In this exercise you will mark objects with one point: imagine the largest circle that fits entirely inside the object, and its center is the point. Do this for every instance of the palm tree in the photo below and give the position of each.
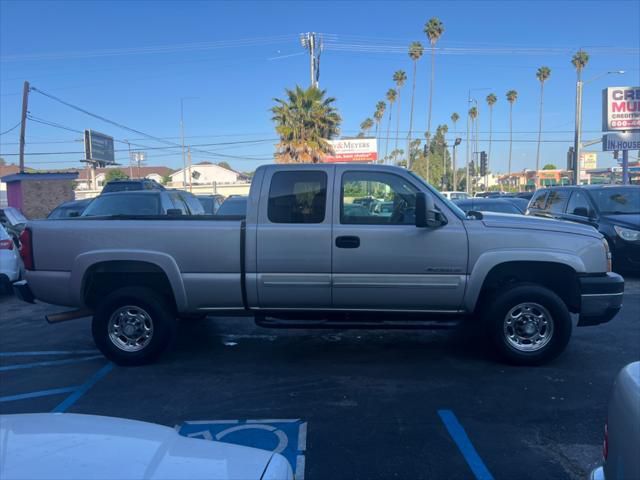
(473, 114)
(542, 75)
(512, 96)
(391, 98)
(580, 60)
(366, 125)
(491, 100)
(305, 120)
(415, 52)
(400, 77)
(434, 30)
(454, 119)
(378, 115)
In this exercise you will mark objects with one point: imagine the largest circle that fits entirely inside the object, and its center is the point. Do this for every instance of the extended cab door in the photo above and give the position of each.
(381, 260)
(293, 248)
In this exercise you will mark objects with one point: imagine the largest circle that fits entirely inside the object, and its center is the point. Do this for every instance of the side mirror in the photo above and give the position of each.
(174, 212)
(426, 213)
(582, 212)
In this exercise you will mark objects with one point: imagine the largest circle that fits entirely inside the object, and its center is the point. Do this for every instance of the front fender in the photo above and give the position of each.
(165, 262)
(488, 260)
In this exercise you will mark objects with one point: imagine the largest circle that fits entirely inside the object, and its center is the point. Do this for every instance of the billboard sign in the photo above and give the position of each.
(621, 141)
(98, 147)
(620, 109)
(357, 150)
(588, 161)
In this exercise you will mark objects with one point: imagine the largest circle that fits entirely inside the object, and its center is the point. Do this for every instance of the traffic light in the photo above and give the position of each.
(571, 159)
(483, 164)
(472, 168)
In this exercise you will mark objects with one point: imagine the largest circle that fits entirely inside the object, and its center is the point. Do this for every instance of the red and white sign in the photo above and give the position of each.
(358, 150)
(620, 109)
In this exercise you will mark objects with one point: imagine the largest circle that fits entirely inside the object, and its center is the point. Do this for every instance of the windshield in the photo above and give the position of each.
(123, 204)
(233, 206)
(617, 200)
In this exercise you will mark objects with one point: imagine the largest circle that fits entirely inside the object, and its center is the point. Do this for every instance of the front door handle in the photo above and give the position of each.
(347, 241)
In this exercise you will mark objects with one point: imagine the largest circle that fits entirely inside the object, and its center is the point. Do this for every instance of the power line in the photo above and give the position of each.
(12, 128)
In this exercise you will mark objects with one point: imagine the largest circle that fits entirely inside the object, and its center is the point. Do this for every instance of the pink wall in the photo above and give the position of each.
(14, 195)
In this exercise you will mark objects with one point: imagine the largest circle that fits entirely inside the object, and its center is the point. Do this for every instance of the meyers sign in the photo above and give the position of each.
(620, 109)
(353, 150)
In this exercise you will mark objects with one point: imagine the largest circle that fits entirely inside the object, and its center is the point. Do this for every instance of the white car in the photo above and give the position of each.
(456, 195)
(71, 446)
(9, 261)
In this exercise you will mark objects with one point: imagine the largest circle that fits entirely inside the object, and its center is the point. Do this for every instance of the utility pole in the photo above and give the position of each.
(310, 41)
(184, 161)
(23, 122)
(625, 167)
(130, 164)
(190, 184)
(577, 138)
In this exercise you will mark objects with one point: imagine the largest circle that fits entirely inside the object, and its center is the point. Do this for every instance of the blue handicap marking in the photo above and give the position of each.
(287, 437)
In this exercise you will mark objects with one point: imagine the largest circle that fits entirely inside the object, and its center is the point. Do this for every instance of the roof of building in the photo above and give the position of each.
(27, 176)
(137, 172)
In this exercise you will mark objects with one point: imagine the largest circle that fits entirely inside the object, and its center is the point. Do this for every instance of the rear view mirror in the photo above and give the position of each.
(174, 212)
(426, 213)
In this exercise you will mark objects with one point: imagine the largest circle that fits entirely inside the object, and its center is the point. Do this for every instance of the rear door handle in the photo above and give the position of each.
(347, 241)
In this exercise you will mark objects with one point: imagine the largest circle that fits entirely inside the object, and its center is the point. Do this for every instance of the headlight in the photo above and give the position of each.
(627, 234)
(607, 252)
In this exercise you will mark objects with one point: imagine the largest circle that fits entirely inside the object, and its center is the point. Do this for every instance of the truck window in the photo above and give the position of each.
(373, 198)
(578, 200)
(557, 201)
(539, 200)
(178, 203)
(297, 197)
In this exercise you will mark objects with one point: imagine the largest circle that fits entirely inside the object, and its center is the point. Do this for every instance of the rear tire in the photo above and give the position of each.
(133, 326)
(527, 325)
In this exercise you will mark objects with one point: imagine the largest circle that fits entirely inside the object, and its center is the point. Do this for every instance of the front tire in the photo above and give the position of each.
(527, 325)
(133, 326)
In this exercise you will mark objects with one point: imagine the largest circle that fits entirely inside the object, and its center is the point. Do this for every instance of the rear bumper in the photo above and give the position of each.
(23, 292)
(600, 298)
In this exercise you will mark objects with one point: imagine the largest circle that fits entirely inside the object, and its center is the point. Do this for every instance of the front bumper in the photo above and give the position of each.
(23, 292)
(600, 298)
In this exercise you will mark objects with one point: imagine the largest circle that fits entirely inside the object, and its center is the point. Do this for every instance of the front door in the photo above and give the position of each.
(294, 239)
(381, 260)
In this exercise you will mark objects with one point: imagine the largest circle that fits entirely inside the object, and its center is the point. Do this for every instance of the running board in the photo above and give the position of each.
(270, 322)
(65, 316)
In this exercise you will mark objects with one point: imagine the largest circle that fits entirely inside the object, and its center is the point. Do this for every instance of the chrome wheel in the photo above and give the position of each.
(130, 328)
(528, 327)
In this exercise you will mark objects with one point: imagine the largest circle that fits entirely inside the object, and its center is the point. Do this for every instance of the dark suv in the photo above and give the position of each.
(613, 209)
(130, 185)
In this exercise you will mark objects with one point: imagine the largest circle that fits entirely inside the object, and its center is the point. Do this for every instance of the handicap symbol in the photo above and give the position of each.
(287, 437)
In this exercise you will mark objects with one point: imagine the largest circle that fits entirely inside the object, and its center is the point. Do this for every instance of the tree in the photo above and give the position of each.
(166, 179)
(2, 162)
(549, 166)
(580, 60)
(304, 121)
(400, 77)
(115, 174)
(225, 165)
(512, 96)
(378, 115)
(415, 52)
(454, 119)
(434, 30)
(542, 75)
(366, 125)
(491, 100)
(391, 98)
(440, 159)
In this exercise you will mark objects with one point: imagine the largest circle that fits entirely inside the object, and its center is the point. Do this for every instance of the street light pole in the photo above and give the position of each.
(184, 161)
(469, 100)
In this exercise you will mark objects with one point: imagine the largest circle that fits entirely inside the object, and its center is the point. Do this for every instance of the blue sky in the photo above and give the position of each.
(133, 61)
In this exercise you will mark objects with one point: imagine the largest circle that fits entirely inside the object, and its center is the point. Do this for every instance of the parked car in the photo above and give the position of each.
(9, 261)
(497, 205)
(455, 195)
(488, 194)
(13, 221)
(620, 457)
(233, 205)
(612, 209)
(73, 446)
(69, 209)
(526, 195)
(298, 260)
(131, 184)
(520, 203)
(144, 203)
(210, 203)
(367, 202)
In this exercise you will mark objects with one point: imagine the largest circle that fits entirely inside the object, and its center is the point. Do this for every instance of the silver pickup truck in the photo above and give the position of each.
(340, 246)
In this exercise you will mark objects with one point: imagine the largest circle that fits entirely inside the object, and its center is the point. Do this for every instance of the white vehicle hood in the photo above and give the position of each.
(70, 446)
(507, 220)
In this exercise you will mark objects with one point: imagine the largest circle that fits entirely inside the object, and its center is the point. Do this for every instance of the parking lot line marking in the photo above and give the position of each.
(20, 366)
(48, 352)
(40, 393)
(459, 436)
(300, 464)
(82, 389)
(302, 437)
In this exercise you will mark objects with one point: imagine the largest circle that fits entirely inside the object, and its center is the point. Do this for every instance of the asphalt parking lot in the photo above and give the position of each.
(356, 404)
